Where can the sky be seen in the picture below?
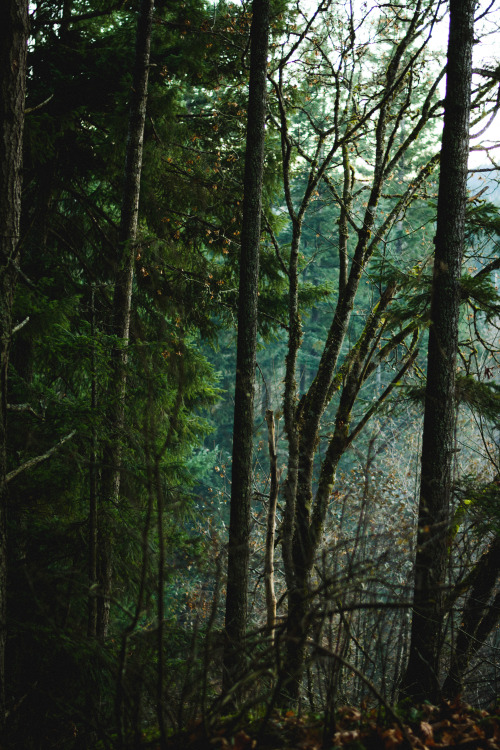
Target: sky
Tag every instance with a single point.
(486, 54)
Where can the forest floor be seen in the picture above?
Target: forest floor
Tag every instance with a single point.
(450, 725)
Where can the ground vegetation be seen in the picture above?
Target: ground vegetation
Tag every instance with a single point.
(148, 596)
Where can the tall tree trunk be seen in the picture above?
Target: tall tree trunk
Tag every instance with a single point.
(239, 525)
(14, 24)
(421, 680)
(122, 301)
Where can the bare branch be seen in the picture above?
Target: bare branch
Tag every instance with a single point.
(29, 110)
(20, 325)
(493, 266)
(493, 73)
(26, 408)
(38, 459)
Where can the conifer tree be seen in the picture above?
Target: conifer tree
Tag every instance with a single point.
(421, 680)
(122, 304)
(241, 487)
(14, 24)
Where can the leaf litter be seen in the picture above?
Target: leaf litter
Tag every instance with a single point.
(451, 725)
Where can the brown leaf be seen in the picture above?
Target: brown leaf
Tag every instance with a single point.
(340, 738)
(426, 733)
(392, 737)
(448, 738)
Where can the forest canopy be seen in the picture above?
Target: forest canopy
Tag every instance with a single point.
(250, 373)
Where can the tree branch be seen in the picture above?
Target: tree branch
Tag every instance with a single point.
(38, 459)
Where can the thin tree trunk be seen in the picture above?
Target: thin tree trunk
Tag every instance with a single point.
(92, 529)
(14, 25)
(122, 301)
(160, 694)
(421, 680)
(239, 525)
(271, 525)
(477, 620)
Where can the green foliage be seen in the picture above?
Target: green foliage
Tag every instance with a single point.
(176, 444)
(482, 295)
(482, 218)
(480, 396)
(479, 502)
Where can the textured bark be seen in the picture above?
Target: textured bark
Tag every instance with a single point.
(122, 300)
(14, 25)
(421, 680)
(239, 525)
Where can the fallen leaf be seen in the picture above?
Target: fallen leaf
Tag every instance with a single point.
(426, 732)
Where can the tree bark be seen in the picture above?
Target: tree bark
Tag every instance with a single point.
(122, 301)
(239, 525)
(14, 25)
(421, 680)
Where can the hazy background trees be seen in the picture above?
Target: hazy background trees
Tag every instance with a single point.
(349, 204)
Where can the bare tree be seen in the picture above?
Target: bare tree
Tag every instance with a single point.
(356, 116)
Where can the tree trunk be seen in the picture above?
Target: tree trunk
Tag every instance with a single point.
(478, 618)
(421, 680)
(14, 25)
(93, 518)
(338, 372)
(122, 301)
(239, 525)
(271, 526)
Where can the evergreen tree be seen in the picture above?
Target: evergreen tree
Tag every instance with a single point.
(421, 680)
(241, 487)
(14, 21)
